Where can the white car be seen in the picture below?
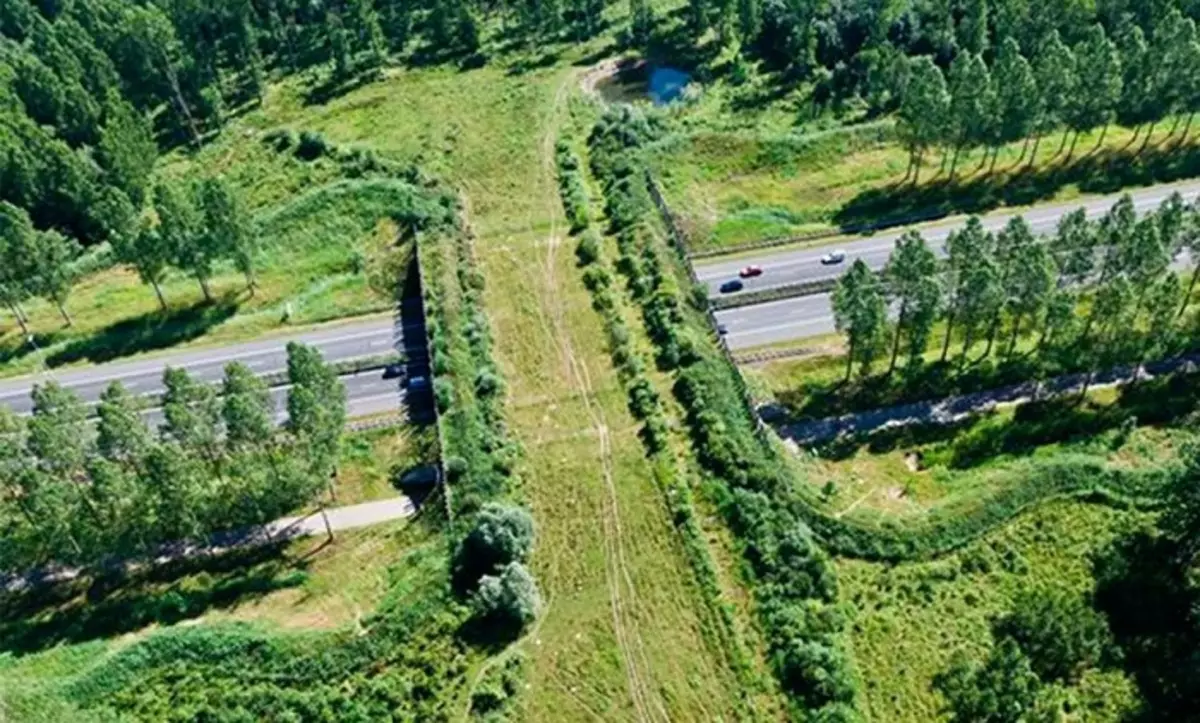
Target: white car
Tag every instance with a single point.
(833, 257)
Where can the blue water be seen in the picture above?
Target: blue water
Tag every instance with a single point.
(666, 84)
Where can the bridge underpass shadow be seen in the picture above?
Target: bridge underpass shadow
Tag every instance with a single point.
(409, 337)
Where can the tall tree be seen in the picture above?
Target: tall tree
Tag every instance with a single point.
(145, 249)
(127, 150)
(54, 268)
(227, 230)
(59, 433)
(1029, 286)
(316, 406)
(17, 244)
(972, 105)
(859, 312)
(121, 433)
(192, 415)
(248, 409)
(923, 112)
(1057, 79)
(911, 277)
(973, 27)
(181, 229)
(1017, 99)
(1100, 82)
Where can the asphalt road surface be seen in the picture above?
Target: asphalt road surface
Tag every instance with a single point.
(264, 356)
(776, 321)
(784, 268)
(367, 393)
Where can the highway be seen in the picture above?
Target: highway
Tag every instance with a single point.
(777, 321)
(784, 268)
(143, 376)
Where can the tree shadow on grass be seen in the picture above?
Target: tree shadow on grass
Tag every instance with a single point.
(1106, 171)
(983, 437)
(114, 603)
(156, 330)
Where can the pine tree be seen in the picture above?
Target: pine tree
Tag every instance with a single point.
(1100, 82)
(860, 313)
(1017, 99)
(923, 112)
(911, 277)
(972, 105)
(1057, 79)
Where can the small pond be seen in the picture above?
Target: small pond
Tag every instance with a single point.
(658, 84)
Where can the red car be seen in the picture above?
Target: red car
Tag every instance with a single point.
(750, 272)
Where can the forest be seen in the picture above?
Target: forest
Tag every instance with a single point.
(1092, 296)
(83, 489)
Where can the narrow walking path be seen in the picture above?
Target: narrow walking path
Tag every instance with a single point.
(952, 409)
(335, 519)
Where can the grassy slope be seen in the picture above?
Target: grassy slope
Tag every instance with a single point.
(910, 619)
(312, 585)
(735, 182)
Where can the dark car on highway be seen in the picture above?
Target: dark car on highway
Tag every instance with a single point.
(731, 286)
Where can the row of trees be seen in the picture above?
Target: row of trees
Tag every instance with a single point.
(1133, 80)
(77, 490)
(1095, 293)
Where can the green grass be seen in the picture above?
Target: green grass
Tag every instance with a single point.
(910, 474)
(769, 179)
(908, 620)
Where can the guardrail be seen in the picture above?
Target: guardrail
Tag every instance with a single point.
(678, 243)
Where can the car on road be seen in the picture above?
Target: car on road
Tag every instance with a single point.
(731, 286)
(750, 272)
(394, 371)
(833, 257)
(722, 330)
(418, 383)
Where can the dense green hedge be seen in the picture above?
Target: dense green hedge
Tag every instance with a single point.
(797, 589)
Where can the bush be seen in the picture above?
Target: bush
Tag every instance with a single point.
(487, 383)
(507, 602)
(502, 534)
(443, 394)
(280, 139)
(1060, 632)
(312, 146)
(588, 248)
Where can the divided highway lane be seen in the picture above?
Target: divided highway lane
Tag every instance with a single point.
(777, 321)
(367, 393)
(264, 356)
(784, 268)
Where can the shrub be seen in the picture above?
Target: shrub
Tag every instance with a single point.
(280, 139)
(1060, 632)
(443, 394)
(487, 383)
(312, 146)
(507, 602)
(588, 248)
(502, 534)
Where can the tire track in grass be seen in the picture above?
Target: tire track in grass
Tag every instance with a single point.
(648, 705)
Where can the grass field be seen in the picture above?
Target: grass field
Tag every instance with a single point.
(622, 636)
(735, 185)
(910, 619)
